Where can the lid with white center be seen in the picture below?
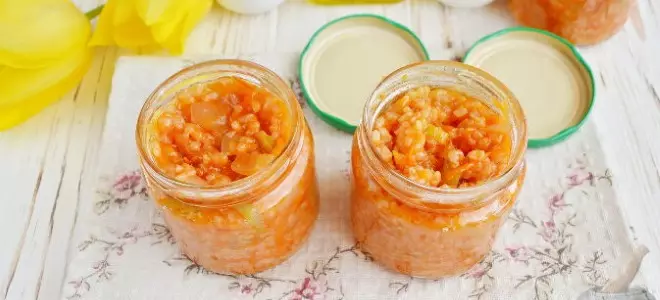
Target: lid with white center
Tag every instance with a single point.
(346, 59)
(554, 84)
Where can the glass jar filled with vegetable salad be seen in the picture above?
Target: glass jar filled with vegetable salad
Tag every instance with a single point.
(437, 164)
(229, 158)
(583, 22)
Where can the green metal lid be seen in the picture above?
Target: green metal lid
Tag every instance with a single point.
(554, 84)
(345, 60)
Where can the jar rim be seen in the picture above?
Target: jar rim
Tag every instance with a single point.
(235, 192)
(466, 194)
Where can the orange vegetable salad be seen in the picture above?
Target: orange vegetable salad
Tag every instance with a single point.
(220, 132)
(436, 138)
(440, 137)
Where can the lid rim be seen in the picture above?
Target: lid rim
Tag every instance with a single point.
(329, 118)
(568, 131)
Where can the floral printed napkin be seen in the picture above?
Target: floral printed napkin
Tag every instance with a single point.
(562, 238)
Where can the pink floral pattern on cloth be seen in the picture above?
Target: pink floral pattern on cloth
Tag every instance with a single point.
(127, 186)
(563, 237)
(553, 256)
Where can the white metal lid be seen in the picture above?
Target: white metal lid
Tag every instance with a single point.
(346, 59)
(547, 74)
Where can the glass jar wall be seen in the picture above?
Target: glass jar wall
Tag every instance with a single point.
(418, 222)
(229, 158)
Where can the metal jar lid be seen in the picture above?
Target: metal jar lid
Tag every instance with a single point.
(552, 81)
(346, 59)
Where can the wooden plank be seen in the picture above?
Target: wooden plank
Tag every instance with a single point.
(49, 160)
(88, 122)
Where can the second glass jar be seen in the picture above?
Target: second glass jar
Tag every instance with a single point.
(425, 231)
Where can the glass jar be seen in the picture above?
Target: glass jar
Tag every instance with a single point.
(425, 231)
(248, 225)
(582, 22)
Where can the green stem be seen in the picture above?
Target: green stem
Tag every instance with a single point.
(94, 12)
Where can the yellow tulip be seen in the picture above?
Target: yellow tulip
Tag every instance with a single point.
(43, 55)
(147, 25)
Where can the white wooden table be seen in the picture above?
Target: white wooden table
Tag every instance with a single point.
(49, 160)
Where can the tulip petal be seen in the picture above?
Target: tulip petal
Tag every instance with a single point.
(124, 12)
(146, 25)
(120, 24)
(175, 41)
(164, 27)
(133, 35)
(153, 11)
(37, 33)
(28, 91)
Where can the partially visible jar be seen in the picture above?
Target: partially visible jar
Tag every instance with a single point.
(582, 22)
(427, 231)
(248, 225)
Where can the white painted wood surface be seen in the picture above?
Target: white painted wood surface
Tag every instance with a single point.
(49, 160)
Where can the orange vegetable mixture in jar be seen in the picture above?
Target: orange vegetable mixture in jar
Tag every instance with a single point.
(233, 171)
(440, 137)
(219, 132)
(582, 22)
(435, 172)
